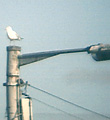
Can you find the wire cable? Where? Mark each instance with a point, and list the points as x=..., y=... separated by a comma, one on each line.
x=57, y=109
x=68, y=102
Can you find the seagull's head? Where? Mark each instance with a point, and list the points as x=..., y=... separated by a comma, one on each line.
x=8, y=28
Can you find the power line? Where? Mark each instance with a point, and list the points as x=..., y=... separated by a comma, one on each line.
x=57, y=109
x=68, y=102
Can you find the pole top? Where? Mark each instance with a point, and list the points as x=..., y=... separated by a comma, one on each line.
x=13, y=48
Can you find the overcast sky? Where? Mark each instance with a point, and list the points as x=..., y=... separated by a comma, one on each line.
x=59, y=24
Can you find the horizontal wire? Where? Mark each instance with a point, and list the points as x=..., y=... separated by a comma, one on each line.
x=57, y=109
x=69, y=102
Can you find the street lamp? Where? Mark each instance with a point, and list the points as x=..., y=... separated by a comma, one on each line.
x=15, y=60
x=100, y=52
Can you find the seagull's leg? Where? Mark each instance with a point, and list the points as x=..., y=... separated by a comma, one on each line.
x=14, y=42
x=10, y=42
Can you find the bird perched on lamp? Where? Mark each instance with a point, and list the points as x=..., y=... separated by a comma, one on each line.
x=12, y=35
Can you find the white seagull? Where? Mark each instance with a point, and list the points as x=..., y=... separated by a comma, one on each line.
x=12, y=35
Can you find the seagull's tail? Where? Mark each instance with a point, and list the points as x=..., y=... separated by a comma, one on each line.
x=22, y=38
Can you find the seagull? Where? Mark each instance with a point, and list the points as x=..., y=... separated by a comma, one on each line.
x=12, y=35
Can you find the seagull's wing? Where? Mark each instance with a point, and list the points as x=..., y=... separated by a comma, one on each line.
x=18, y=37
x=13, y=35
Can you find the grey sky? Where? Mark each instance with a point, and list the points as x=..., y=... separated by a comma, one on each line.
x=60, y=24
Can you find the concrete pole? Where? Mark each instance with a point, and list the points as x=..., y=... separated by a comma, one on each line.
x=12, y=87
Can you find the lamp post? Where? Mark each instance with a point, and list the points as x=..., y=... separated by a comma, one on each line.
x=15, y=60
x=12, y=88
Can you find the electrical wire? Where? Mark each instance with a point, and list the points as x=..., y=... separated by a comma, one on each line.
x=66, y=101
x=57, y=109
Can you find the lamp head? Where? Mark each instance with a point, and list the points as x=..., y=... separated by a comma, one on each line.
x=100, y=52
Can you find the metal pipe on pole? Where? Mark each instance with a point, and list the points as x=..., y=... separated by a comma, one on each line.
x=12, y=88
x=28, y=58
